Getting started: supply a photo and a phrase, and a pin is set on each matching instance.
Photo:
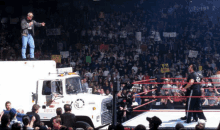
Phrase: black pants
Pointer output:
(128, 117)
(194, 104)
(195, 116)
(120, 117)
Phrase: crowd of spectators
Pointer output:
(126, 59)
(12, 119)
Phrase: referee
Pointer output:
(195, 90)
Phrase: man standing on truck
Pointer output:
(27, 26)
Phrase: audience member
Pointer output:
(200, 125)
(179, 126)
(154, 123)
(16, 126)
(5, 121)
(140, 127)
(34, 112)
(67, 118)
(55, 122)
(90, 128)
(12, 112)
(28, 122)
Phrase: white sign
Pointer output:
(138, 36)
(193, 53)
(157, 37)
(138, 50)
(64, 54)
(173, 34)
(55, 31)
(166, 34)
(169, 34)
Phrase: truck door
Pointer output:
(50, 98)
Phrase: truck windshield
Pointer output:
(73, 85)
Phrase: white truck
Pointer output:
(25, 83)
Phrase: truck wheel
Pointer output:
(82, 125)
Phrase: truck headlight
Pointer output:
(98, 118)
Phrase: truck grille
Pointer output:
(106, 116)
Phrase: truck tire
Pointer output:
(82, 125)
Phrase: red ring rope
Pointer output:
(144, 82)
(172, 111)
(180, 88)
(144, 104)
(174, 96)
(181, 83)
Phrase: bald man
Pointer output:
(27, 26)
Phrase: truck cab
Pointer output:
(25, 83)
(58, 90)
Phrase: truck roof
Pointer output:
(19, 80)
(56, 76)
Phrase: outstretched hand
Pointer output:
(43, 24)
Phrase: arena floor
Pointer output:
(171, 118)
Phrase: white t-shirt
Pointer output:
(135, 57)
(30, 27)
(73, 63)
(135, 69)
(102, 54)
(105, 73)
(166, 86)
(215, 79)
(174, 89)
(140, 77)
(88, 74)
(179, 76)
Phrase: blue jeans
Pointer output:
(30, 41)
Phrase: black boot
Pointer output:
(183, 118)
